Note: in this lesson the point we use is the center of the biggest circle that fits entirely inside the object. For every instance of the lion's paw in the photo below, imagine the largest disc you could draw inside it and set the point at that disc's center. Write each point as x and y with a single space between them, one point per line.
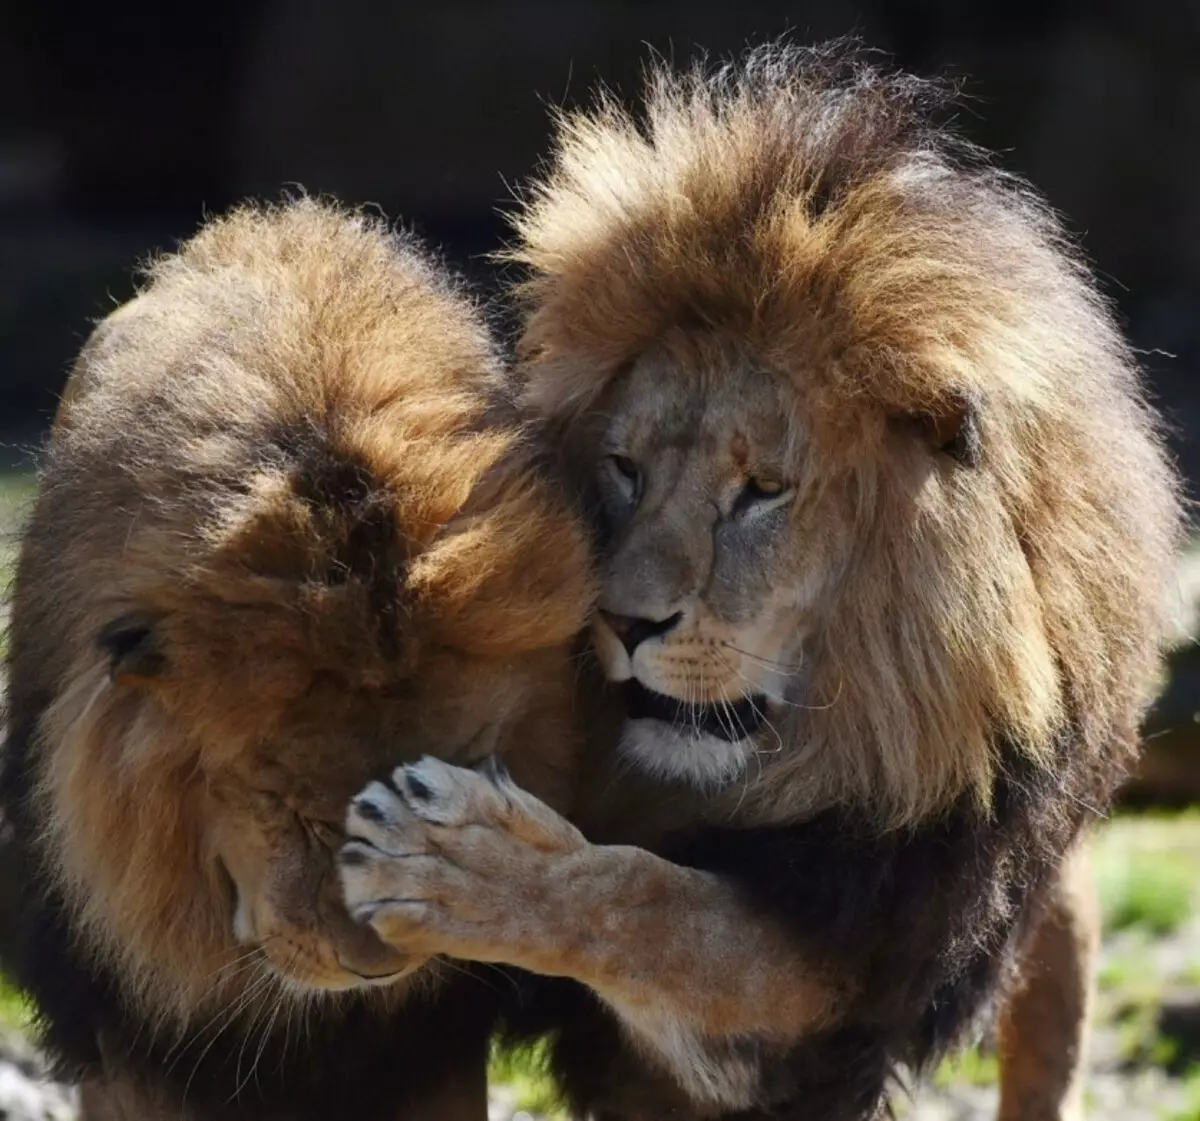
441 859
443 794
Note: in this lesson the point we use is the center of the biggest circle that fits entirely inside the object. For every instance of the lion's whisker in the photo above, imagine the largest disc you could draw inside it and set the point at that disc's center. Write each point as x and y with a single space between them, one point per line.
280 999
260 1013
785 669
233 1014
476 977
239 965
726 709
745 734
186 1040
762 715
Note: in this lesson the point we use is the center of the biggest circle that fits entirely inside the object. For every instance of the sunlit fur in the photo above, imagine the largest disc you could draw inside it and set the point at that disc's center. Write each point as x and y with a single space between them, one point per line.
803 215
288 455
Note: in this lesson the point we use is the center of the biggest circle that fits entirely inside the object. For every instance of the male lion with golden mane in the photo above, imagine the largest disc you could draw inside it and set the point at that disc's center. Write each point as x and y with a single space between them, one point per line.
288 535
889 535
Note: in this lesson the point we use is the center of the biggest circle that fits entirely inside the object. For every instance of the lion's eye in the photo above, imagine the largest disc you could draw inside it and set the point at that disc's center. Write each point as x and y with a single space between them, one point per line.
759 491
625 466
626 473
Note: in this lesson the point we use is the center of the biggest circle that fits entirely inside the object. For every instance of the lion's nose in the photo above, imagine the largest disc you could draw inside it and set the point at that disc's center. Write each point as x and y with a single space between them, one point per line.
633 631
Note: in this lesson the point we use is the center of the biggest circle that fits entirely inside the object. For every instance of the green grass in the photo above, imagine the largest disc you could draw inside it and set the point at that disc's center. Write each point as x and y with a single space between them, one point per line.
1153 894
1148 872
1190 1109
1132 973
14 1010
524 1071
972 1067
16 490
1148 877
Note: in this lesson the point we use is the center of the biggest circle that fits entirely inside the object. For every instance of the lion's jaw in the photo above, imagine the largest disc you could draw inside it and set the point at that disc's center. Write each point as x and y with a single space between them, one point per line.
274 811
709 587
217 879
276 857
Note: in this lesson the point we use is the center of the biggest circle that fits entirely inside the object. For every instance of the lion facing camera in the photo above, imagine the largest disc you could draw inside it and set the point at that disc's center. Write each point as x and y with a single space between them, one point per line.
288 535
889 543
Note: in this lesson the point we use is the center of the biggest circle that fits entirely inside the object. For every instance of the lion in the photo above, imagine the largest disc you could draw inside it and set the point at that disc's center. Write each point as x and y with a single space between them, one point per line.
290 531
888 536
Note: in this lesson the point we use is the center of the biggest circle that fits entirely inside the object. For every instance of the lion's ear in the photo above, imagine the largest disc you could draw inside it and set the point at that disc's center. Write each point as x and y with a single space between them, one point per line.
951 427
134 655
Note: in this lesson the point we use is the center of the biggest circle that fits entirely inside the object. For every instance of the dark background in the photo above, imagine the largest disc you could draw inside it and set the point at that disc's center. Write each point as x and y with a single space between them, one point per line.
120 125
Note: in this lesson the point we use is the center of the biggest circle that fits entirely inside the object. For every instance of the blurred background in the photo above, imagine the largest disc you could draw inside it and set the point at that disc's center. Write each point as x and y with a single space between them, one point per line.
121 126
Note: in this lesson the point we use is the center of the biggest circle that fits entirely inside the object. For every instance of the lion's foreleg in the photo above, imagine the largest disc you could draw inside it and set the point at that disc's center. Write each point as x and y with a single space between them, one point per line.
1043 1027
455 862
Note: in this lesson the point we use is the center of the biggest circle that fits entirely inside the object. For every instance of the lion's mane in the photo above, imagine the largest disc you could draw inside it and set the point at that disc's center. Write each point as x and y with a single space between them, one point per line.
977 687
293 453
806 208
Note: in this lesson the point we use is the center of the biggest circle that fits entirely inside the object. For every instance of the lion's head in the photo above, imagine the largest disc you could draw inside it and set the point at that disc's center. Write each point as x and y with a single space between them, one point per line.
879 487
285 537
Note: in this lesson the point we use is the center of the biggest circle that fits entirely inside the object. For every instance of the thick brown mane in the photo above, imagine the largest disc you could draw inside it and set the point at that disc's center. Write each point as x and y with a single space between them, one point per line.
286 479
802 210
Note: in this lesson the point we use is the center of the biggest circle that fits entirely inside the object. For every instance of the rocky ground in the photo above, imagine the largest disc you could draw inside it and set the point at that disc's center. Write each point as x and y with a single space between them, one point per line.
25 1094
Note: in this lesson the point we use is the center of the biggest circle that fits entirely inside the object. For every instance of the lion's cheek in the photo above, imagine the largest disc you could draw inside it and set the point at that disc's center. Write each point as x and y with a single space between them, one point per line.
275 876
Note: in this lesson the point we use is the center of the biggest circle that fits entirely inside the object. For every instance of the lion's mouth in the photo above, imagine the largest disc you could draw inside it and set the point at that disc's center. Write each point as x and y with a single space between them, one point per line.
728 720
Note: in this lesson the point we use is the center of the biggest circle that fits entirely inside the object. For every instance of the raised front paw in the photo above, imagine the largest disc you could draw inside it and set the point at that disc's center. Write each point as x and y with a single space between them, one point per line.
445 860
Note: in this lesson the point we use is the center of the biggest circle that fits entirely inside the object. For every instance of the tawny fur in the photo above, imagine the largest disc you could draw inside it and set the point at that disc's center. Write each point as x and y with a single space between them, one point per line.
807 213
290 457
960 569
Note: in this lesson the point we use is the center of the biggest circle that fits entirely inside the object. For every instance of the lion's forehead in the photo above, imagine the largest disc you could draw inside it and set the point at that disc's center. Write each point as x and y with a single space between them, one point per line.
723 410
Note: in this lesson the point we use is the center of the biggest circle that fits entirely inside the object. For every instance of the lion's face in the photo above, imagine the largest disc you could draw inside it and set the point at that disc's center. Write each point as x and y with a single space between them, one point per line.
889 554
216 732
273 847
273 810
715 564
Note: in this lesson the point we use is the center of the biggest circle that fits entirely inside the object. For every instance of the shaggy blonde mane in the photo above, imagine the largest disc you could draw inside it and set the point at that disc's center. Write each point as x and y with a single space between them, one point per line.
800 210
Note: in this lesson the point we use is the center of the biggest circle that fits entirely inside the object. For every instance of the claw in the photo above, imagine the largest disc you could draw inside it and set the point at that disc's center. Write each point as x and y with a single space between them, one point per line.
415 787
351 856
368 811
493 769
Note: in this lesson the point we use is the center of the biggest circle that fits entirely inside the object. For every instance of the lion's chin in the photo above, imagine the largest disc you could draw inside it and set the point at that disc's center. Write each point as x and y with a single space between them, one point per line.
318 965
338 980
674 753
